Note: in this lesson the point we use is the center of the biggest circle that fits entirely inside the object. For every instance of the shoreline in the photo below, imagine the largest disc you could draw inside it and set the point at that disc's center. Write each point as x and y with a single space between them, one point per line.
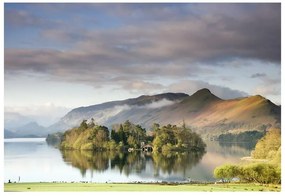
153 187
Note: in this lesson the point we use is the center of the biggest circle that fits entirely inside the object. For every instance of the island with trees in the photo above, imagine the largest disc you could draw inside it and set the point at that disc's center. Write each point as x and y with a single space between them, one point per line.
130 136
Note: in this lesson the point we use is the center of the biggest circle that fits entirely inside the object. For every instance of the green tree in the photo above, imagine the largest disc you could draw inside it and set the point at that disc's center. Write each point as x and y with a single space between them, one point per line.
267 147
115 136
132 142
260 173
91 123
83 126
227 172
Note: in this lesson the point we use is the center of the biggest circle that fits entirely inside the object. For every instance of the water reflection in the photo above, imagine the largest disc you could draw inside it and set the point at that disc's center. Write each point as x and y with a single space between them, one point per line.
132 163
244 145
128 163
87 160
47 164
176 162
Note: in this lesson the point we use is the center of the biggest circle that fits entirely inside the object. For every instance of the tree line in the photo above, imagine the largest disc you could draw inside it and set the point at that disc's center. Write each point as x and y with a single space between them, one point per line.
90 136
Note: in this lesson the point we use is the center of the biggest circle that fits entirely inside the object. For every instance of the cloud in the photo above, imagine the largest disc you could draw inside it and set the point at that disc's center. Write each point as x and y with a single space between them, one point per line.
191 86
159 104
141 86
210 36
214 32
43 114
170 41
258 75
267 90
22 18
270 88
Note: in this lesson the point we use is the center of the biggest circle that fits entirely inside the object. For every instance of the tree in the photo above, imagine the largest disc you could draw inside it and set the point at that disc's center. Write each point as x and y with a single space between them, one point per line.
115 136
121 135
83 126
267 147
227 172
260 173
132 142
155 128
177 139
91 124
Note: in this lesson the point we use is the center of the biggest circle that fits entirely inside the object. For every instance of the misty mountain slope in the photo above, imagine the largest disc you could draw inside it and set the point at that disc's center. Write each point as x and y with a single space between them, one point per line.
14 120
203 112
9 134
118 111
32 129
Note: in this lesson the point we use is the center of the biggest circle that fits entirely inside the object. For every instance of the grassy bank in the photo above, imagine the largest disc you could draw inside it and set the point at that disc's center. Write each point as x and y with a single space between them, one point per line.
15 187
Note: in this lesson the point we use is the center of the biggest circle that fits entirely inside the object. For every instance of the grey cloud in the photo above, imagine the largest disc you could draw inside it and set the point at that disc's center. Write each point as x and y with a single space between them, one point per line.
167 46
141 86
204 32
270 88
191 86
94 66
22 18
258 75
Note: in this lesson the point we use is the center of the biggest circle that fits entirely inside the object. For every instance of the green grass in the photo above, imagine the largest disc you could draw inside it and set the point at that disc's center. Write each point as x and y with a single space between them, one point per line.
15 187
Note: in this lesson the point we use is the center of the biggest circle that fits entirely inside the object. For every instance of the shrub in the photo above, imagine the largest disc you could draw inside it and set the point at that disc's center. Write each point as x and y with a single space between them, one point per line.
227 172
258 172
261 172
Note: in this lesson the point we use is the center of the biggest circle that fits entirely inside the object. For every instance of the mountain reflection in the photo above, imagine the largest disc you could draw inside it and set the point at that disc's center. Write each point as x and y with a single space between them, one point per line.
131 163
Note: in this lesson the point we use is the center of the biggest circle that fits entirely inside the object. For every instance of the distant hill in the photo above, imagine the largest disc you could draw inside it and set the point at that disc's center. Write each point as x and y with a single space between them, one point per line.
13 120
9 134
31 129
203 112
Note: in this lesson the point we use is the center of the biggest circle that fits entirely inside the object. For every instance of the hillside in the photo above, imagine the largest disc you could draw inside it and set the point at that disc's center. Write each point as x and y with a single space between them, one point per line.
203 112
116 112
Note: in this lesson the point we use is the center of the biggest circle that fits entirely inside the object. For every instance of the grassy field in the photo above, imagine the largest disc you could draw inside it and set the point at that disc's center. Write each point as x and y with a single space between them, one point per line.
15 187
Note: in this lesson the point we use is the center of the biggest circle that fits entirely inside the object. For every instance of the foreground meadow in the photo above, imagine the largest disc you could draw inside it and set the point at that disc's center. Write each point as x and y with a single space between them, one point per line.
38 187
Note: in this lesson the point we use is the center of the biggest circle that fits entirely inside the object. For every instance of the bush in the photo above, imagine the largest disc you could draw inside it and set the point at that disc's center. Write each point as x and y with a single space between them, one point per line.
227 172
258 172
262 173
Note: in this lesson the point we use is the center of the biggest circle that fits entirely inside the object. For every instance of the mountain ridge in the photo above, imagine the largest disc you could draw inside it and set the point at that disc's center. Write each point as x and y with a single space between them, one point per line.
203 111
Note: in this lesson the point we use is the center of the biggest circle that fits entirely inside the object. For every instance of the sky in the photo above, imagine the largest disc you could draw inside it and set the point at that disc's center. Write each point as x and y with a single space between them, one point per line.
61 56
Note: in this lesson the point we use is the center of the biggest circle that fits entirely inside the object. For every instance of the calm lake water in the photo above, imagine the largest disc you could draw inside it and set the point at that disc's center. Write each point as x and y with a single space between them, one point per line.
32 160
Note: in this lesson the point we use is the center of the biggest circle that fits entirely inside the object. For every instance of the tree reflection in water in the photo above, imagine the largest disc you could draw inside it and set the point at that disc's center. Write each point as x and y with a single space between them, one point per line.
176 161
87 160
131 163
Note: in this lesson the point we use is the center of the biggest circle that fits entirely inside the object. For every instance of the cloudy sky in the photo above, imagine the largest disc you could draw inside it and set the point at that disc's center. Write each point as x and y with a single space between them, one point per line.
61 56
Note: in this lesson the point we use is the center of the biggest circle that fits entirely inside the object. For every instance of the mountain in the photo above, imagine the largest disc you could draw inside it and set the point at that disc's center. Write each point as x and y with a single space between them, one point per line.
31 129
9 134
116 111
203 112
13 120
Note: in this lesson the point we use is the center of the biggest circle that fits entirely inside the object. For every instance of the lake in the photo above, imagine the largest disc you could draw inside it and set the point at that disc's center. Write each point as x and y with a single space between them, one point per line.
32 160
